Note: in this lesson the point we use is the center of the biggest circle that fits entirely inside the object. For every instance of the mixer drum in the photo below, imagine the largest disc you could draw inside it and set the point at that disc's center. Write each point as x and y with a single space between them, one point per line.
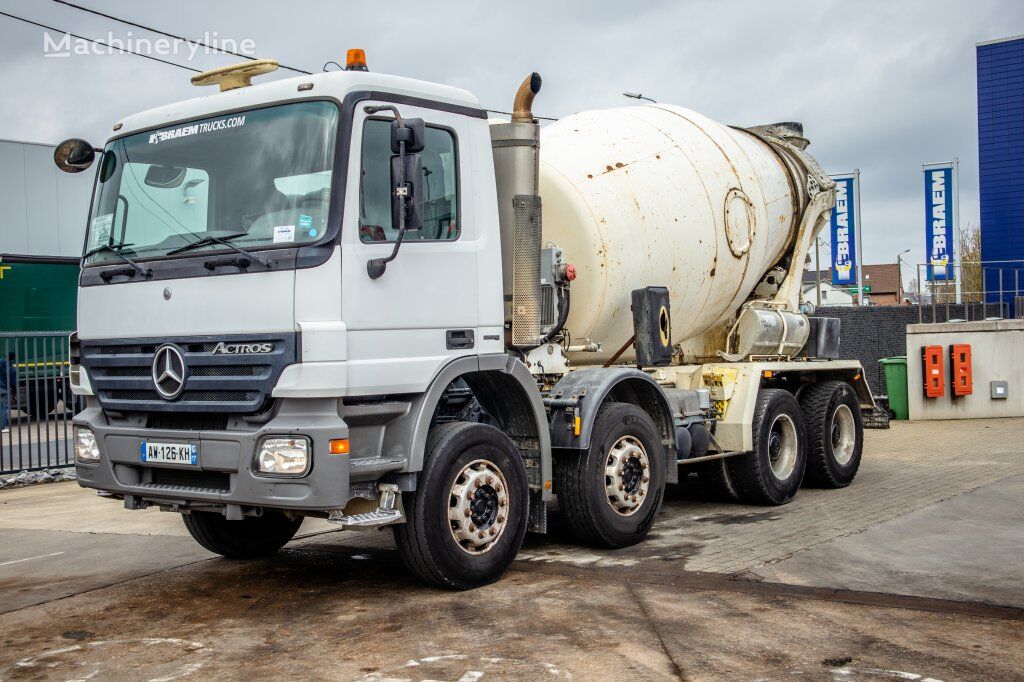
662 196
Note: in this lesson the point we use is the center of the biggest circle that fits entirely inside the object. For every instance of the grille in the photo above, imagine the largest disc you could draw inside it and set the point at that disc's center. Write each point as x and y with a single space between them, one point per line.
189 396
216 371
547 306
193 480
231 371
126 350
187 421
121 373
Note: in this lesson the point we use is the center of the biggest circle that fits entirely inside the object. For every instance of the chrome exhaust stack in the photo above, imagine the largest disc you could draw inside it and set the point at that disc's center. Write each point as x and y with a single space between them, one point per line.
516 147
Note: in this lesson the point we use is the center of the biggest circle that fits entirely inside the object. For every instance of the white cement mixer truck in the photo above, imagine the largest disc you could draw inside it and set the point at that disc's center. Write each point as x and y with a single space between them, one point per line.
353 296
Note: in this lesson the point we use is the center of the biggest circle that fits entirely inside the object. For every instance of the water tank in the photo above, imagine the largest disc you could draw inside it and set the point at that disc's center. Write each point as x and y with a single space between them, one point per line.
662 196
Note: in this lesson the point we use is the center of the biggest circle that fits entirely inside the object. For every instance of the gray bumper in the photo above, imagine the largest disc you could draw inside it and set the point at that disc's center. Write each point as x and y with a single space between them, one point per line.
224 474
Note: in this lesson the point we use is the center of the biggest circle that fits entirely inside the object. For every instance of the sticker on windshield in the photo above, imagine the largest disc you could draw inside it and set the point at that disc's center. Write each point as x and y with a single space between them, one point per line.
99 230
306 223
284 233
196 129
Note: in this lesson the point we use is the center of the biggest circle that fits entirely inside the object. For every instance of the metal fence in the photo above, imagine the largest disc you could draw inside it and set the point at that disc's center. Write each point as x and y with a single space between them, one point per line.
37 407
971 290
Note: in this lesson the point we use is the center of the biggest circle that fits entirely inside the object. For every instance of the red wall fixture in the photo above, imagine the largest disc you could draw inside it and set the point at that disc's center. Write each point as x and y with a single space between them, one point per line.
960 373
933 372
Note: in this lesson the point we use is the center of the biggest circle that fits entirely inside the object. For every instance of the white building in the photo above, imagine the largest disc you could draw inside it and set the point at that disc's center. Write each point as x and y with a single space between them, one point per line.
44 210
830 295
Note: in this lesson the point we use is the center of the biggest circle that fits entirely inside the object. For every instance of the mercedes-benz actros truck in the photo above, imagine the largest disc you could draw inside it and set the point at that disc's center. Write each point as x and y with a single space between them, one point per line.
354 296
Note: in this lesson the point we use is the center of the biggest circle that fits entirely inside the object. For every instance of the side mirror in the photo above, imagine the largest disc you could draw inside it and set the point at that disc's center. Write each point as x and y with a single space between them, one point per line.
413 132
74 155
413 197
165 177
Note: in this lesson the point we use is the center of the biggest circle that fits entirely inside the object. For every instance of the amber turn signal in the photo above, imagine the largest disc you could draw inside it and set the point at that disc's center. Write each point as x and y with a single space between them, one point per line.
339 446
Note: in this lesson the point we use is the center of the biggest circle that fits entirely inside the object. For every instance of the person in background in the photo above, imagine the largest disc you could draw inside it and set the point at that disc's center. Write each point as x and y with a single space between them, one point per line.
8 390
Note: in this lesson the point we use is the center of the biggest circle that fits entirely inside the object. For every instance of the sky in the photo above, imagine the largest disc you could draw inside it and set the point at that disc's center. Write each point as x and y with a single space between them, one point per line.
879 86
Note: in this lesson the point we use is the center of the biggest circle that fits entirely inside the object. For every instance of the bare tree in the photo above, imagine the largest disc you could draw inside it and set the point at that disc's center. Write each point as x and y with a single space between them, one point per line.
971 276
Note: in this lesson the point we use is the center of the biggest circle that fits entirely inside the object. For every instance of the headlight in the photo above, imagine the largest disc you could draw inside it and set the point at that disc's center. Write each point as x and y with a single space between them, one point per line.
86 449
280 456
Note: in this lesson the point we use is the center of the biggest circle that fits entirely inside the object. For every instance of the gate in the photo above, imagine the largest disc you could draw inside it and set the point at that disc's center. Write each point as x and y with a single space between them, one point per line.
37 431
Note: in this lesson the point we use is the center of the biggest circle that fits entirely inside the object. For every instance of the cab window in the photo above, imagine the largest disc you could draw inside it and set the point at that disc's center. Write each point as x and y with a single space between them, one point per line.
439 184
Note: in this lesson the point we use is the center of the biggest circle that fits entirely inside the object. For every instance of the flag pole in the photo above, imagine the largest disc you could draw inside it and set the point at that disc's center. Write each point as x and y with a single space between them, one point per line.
859 226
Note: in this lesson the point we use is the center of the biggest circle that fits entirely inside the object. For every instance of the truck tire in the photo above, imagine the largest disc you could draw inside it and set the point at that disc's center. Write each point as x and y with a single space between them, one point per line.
714 480
771 473
467 517
611 493
251 538
835 434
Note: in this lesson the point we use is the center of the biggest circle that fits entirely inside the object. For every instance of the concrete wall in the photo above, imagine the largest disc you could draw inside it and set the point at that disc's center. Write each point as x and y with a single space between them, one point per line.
43 211
997 354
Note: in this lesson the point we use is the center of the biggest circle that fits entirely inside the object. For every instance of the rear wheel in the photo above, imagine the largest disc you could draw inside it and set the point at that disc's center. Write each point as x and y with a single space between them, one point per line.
611 493
467 518
251 538
835 434
771 473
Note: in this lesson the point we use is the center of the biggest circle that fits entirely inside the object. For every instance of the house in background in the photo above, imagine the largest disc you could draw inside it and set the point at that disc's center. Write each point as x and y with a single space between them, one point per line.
883 285
830 294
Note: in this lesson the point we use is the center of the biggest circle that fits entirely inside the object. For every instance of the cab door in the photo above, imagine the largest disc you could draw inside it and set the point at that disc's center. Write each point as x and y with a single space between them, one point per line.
425 310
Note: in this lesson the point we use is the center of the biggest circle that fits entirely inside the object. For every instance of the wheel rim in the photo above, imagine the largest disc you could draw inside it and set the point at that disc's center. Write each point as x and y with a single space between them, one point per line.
844 434
478 506
627 475
782 446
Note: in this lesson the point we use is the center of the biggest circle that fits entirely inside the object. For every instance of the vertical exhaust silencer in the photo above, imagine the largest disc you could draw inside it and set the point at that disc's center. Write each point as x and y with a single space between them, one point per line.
522 106
515 146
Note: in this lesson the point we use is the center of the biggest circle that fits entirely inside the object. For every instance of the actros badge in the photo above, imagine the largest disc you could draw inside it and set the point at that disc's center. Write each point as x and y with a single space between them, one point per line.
242 348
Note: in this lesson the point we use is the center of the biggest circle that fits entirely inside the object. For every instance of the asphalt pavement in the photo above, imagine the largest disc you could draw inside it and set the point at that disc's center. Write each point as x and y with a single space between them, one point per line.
914 572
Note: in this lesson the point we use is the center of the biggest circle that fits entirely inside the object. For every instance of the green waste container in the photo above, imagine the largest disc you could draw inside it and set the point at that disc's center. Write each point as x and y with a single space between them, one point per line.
896 385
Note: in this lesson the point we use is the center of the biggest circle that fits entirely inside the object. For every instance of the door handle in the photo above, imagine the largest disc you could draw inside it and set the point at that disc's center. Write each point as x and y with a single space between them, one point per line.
459 338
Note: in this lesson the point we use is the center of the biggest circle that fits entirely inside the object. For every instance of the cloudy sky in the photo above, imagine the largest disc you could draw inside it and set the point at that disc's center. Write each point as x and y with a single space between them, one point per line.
880 86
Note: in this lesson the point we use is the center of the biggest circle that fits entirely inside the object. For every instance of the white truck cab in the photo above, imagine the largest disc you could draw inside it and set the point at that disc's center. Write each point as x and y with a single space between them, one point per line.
298 299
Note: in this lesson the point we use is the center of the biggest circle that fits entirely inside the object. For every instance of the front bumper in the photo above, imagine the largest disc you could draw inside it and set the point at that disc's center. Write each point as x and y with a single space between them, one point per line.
224 474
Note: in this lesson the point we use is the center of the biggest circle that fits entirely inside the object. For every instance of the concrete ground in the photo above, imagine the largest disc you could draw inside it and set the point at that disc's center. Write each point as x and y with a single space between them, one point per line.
916 571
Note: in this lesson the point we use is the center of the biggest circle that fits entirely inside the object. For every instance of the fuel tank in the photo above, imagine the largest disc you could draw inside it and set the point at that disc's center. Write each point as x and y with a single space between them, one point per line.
662 196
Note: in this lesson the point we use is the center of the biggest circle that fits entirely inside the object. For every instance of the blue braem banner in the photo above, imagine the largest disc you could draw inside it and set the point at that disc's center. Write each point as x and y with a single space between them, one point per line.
844 232
939 214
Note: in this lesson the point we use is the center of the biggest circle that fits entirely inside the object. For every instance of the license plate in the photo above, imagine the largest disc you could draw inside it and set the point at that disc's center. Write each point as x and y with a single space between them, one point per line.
170 453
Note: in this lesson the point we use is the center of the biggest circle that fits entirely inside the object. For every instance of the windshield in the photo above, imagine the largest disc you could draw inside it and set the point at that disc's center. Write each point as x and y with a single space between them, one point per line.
260 178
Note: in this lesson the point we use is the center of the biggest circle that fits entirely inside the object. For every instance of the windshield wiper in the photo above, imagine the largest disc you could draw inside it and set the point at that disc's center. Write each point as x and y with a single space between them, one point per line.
116 250
223 241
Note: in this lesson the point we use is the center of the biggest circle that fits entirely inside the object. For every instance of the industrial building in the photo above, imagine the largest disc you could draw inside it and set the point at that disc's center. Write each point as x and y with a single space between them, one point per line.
1001 164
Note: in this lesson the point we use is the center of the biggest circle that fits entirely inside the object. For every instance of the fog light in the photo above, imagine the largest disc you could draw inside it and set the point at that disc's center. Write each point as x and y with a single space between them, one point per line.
280 456
86 448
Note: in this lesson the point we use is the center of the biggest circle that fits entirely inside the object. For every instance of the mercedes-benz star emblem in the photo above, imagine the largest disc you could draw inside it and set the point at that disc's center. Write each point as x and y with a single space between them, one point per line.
169 372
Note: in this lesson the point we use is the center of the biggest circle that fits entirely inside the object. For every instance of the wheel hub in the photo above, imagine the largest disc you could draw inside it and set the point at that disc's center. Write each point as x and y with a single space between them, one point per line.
844 434
627 475
484 506
478 506
782 446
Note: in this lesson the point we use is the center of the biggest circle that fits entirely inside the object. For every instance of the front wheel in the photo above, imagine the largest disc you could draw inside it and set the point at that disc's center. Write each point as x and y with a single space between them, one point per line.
835 434
611 493
467 518
771 473
253 537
